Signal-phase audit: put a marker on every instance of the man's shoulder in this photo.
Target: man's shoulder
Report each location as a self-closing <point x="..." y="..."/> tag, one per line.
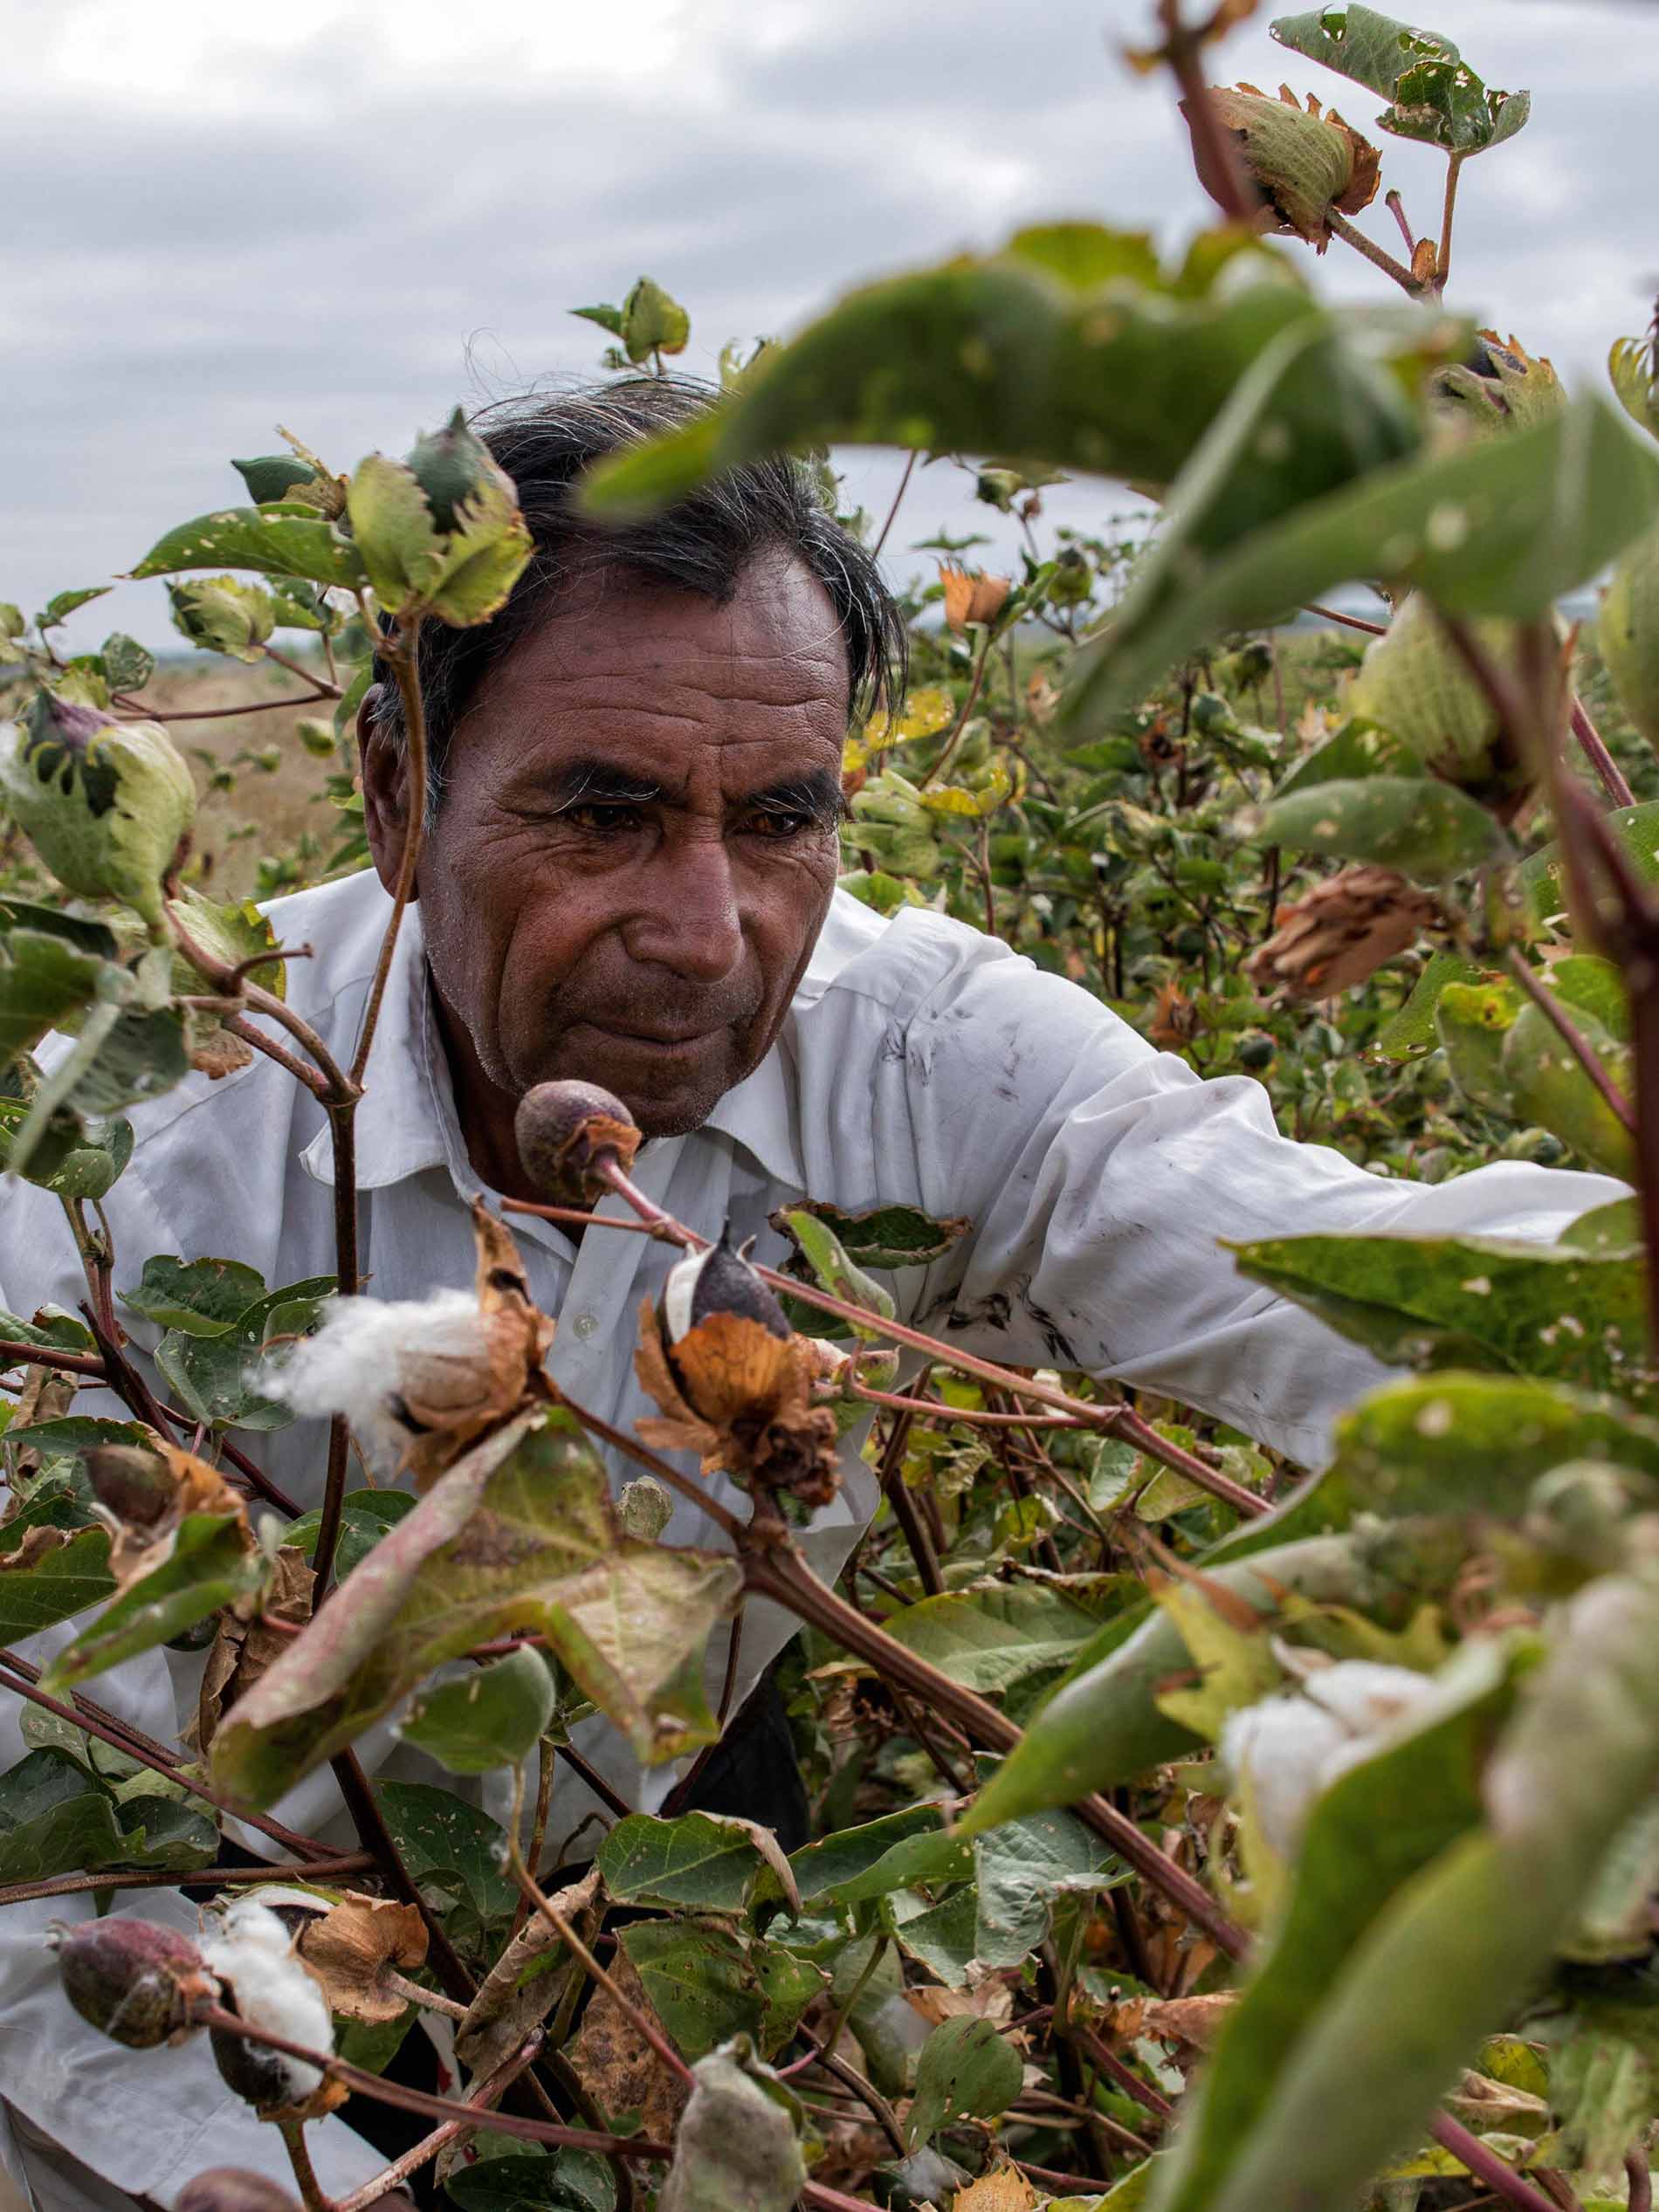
<point x="343" y="923"/>
<point x="899" y="962"/>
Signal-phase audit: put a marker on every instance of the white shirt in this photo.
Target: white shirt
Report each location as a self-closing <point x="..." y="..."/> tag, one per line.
<point x="922" y="1063"/>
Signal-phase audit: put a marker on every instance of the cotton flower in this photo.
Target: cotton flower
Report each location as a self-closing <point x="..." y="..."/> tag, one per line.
<point x="253" y="1955"/>
<point x="398" y="1370"/>
<point x="1290" y="1747"/>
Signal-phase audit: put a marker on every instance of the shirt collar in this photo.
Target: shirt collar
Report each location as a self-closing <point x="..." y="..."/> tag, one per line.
<point x="407" y="1122"/>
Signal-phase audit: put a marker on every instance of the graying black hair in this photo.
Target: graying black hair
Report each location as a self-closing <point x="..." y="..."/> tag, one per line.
<point x="703" y="544"/>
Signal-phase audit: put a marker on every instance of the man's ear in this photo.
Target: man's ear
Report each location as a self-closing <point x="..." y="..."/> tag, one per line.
<point x="385" y="778"/>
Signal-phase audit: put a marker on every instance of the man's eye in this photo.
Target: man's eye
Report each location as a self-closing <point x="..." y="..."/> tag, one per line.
<point x="779" y="826"/>
<point x="601" y="816"/>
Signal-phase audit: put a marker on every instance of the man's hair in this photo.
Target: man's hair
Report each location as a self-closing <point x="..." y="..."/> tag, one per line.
<point x="704" y="543"/>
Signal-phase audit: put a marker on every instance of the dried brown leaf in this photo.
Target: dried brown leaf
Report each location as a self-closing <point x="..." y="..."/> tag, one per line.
<point x="1341" y="932"/>
<point x="1004" y="2189"/>
<point x="615" y="2065"/>
<point x="451" y="1399"/>
<point x="1194" y="2021"/>
<point x="508" y="2005"/>
<point x="970" y="598"/>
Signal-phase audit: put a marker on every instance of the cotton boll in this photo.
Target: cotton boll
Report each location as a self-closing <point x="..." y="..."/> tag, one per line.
<point x="370" y="1356"/>
<point x="252" y="1953"/>
<point x="1366" y="1696"/>
<point x="1278" y="1750"/>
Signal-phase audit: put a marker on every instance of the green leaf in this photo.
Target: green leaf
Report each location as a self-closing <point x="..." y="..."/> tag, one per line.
<point x="1503" y="528"/>
<point x="43" y="982"/>
<point x="700" y="1861"/>
<point x="127" y="664"/>
<point x="1535" y="1309"/>
<point x="988" y="1639"/>
<point x="200" y="1297"/>
<point x="54" y="1585"/>
<point x="365" y="1517"/>
<point x="1549" y="1086"/>
<point x="737" y="2147"/>
<point x="1374" y="1829"/>
<point x="63" y="604"/>
<point x="281" y="541"/>
<point x="211" y="1374"/>
<point x="1613" y="1227"/>
<point x="966" y="2071"/>
<point x="519" y="1533"/>
<point x="1542" y="877"/>
<point x="1002" y="355"/>
<point x="708" y="1984"/>
<point x="1359" y="748"/>
<point x="652" y="323"/>
<point x="827" y="1868"/>
<point x="1021" y="1870"/>
<point x="1435" y="98"/>
<point x="565" y="2181"/>
<point x="458" y="1856"/>
<point x="1104" y="1726"/>
<point x="1471" y="1020"/>
<point x="54" y="1819"/>
<point x="271" y="476"/>
<point x="1413" y="1028"/>
<point x="493" y="1716"/>
<point x="819" y="1259"/>
<point x="889" y="1236"/>
<point x="606" y="318"/>
<point x="1427" y="830"/>
<point x="211" y="1566"/>
<point x="72" y="1159"/>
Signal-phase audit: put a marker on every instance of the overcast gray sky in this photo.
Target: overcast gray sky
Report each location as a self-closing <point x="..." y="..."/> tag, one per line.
<point x="344" y="215"/>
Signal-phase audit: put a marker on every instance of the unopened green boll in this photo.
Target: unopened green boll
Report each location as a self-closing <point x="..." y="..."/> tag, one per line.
<point x="107" y="804"/>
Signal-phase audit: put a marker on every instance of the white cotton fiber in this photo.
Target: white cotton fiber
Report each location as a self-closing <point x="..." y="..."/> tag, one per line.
<point x="253" y="1954"/>
<point x="353" y="1363"/>
<point x="1289" y="1747"/>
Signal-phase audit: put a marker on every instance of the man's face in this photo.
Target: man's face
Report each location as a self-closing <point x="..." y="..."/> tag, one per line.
<point x="636" y="846"/>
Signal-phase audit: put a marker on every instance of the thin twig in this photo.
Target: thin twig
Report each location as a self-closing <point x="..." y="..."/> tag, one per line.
<point x="1595" y="752"/>
<point x="1486" y="2166"/>
<point x="903" y="483"/>
<point x="1230" y="181"/>
<point x="308" y="1870"/>
<point x="1442" y="257"/>
<point x="947" y="752"/>
<point x="451" y="2131"/>
<point x="1348" y="622"/>
<point x="1379" y="256"/>
<point x="401" y="652"/>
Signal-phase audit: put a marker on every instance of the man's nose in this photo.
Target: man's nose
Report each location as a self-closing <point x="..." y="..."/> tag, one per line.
<point x="687" y="917"/>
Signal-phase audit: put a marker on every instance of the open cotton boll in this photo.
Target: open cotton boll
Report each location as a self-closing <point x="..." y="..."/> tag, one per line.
<point x="253" y="1952"/>
<point x="371" y="1356"/>
<point x="1288" y="1748"/>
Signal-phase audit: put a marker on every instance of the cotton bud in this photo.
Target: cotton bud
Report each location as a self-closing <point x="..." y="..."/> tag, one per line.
<point x="107" y="804"/>
<point x="644" y="1510"/>
<point x="1626" y="632"/>
<point x="1415" y="684"/>
<point x="222" y="614"/>
<point x="1304" y="163"/>
<point x="134" y="1980"/>
<point x="253" y="1955"/>
<point x="567" y="1129"/>
<point x="233" y="2188"/>
<point x="451" y="466"/>
<point x="1286" y="1749"/>
<point x="718" y="1281"/>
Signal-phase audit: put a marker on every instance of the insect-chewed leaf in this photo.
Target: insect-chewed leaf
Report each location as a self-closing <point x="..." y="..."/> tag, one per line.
<point x="521" y="1533"/>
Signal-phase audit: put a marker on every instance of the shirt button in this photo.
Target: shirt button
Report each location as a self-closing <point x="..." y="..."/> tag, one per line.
<point x="584" y="1325"/>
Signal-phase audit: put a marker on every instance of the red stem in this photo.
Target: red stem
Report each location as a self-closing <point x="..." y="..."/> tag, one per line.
<point x="1486" y="2166"/>
<point x="1595" y="752"/>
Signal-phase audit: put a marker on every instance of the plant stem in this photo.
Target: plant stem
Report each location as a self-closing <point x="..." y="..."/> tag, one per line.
<point x="891" y="1475"/>
<point x="453" y="2131"/>
<point x="1641" y="2180"/>
<point x="376" y="1838"/>
<point x="10" y="1667"/>
<point x="947" y="752"/>
<point x="1442" y="257"/>
<point x="1595" y="752"/>
<point x="643" y="1456"/>
<point x="13" y="1354"/>
<point x="1577" y="1043"/>
<point x="1235" y="193"/>
<point x="1486" y="2166"/>
<point x="1396" y="208"/>
<point x="401" y="652"/>
<point x="305" y="2174"/>
<point x="306" y="676"/>
<point x="307" y="1870"/>
<point x="1379" y="256"/>
<point x="1348" y="622"/>
<point x="904" y="486"/>
<point x="416" y="1993"/>
<point x="417" y="2101"/>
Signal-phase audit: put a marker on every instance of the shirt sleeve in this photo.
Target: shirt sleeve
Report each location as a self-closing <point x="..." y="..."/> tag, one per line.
<point x="1103" y="1176"/>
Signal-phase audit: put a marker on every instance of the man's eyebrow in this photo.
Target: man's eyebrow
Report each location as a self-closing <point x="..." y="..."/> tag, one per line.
<point x="817" y="796"/>
<point x="579" y="782"/>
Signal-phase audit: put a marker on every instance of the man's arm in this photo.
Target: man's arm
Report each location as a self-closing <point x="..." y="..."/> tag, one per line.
<point x="1103" y="1176"/>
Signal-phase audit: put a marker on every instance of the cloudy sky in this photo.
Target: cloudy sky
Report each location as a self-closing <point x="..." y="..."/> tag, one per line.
<point x="344" y="215"/>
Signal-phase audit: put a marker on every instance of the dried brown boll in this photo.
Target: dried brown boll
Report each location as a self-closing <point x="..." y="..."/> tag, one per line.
<point x="233" y="2188"/>
<point x="133" y="1980"/>
<point x="564" y="1130"/>
<point x="259" y="2076"/>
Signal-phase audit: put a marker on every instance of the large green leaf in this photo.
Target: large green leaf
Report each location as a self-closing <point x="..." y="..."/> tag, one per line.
<point x="698" y="1861"/>
<point x="202" y="1297"/>
<point x="45" y="981"/>
<point x="1549" y="1087"/>
<point x="277" y="540"/>
<point x="966" y="2070"/>
<point x="492" y="1716"/>
<point x="458" y="1856"/>
<point x="708" y="1984"/>
<point x="53" y="1584"/>
<point x="828" y="1867"/>
<point x="1503" y="527"/>
<point x="213" y="1373"/>
<point x="989" y="1639"/>
<point x="57" y="1818"/>
<point x="1543" y="878"/>
<point x="1008" y="354"/>
<point x="1434" y="97"/>
<point x="1536" y="1309"/>
<point x="521" y="1533"/>
<point x="1427" y="830"/>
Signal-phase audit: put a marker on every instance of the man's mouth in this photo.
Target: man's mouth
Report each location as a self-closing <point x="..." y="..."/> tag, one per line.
<point x="661" y="1039"/>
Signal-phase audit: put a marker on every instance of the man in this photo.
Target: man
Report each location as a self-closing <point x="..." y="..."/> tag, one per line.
<point x="630" y="876"/>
